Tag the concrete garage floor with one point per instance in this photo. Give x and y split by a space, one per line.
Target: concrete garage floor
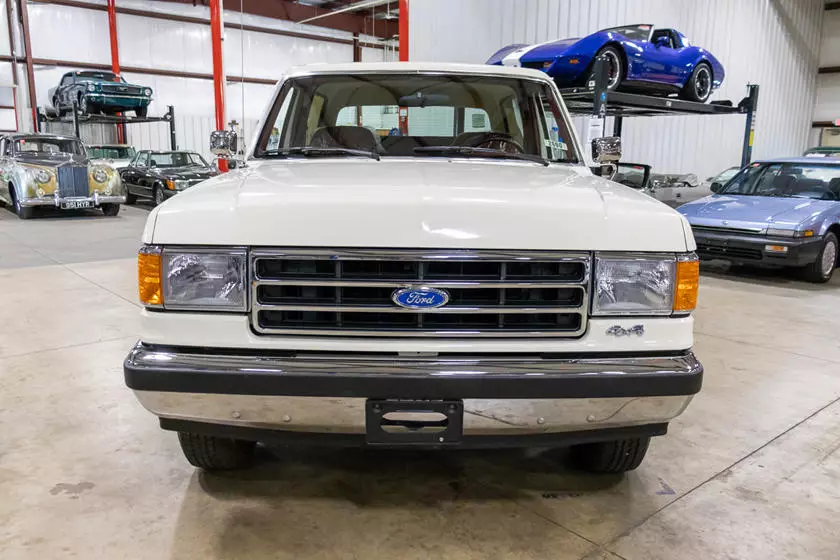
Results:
751 470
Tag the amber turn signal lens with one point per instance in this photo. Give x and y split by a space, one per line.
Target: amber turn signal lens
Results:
687 285
170 184
149 276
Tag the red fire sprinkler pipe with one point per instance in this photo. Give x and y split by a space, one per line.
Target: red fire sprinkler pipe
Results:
403 34
115 56
218 69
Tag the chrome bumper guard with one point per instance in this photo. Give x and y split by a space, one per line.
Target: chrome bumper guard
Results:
326 393
57 201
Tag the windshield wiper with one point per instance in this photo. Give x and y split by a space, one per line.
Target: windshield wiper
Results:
313 151
468 151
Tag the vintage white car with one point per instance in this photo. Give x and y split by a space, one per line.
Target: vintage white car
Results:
113 155
421 258
48 170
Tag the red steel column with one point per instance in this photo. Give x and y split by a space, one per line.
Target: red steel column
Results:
30 72
115 57
403 33
216 28
403 30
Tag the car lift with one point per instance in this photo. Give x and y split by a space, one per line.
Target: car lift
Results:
597 102
78 120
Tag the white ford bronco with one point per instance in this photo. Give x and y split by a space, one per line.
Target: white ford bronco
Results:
416 255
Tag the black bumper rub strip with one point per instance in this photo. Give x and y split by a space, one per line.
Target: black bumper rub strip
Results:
482 377
281 437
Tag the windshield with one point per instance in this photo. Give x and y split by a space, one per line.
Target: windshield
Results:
725 176
39 145
175 159
111 152
823 152
640 32
417 115
800 180
104 76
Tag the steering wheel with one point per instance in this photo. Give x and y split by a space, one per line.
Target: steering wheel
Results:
496 141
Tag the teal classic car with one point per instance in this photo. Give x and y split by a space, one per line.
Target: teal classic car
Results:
96 91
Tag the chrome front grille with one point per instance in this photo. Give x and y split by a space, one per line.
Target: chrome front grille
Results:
73 181
121 89
736 231
348 292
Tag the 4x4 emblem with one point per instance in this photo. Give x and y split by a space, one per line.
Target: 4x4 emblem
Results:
618 330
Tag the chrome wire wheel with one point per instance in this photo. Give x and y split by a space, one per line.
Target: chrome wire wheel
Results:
829 258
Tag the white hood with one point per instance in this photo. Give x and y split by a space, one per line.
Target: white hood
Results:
417 203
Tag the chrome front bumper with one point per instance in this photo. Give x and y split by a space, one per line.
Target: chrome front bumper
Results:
57 201
326 393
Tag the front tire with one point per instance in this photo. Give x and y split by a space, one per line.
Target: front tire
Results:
130 198
215 453
157 195
141 111
699 85
615 64
59 112
23 212
821 270
611 456
110 209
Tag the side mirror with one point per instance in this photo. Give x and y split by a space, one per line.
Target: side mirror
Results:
606 150
691 180
223 143
716 187
235 164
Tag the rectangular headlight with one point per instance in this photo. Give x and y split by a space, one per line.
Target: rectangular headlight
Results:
209 279
774 232
634 285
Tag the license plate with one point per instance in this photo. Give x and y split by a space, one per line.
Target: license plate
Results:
414 422
76 204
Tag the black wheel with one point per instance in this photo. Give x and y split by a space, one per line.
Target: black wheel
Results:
157 194
699 85
141 111
83 105
130 198
216 454
611 456
23 212
615 67
59 112
820 270
110 209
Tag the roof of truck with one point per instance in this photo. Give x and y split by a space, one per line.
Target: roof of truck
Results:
419 67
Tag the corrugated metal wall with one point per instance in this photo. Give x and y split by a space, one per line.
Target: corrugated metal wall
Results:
774 43
828 85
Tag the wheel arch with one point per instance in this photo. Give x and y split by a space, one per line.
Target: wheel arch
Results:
619 47
708 63
13 191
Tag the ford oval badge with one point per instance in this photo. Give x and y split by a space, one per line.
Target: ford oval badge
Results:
420 298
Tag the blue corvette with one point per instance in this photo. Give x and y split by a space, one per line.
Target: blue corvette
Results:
640 58
781 212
